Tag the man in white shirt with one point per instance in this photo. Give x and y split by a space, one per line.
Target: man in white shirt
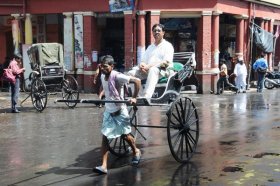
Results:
155 61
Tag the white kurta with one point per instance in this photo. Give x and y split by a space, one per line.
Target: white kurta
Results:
241 74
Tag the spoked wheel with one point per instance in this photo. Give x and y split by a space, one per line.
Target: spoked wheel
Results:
39 95
268 84
70 90
182 129
26 85
118 146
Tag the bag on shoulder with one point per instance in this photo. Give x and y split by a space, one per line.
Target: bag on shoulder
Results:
9 76
261 70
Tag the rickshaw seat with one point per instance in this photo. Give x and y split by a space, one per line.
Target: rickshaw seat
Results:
176 67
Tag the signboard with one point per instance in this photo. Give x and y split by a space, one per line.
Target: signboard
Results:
79 44
121 5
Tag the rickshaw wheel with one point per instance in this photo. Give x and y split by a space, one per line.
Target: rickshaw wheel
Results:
182 129
70 90
118 146
39 95
268 85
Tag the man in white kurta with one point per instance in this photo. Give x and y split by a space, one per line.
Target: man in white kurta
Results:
156 59
240 71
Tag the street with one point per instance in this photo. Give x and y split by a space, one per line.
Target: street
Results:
238 144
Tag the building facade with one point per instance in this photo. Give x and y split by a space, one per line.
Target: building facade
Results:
213 29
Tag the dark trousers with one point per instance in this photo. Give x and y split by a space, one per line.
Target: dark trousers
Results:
260 82
14 93
224 80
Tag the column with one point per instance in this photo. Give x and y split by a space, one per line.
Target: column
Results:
215 48
140 35
204 55
16 32
154 19
128 40
240 34
68 42
270 57
90 43
28 30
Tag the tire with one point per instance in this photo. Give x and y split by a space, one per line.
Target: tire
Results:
268 84
39 94
182 129
70 90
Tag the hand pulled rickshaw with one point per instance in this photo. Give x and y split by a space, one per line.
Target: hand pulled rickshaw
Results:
48 76
182 117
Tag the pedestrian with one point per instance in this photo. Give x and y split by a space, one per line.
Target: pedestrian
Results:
15 65
156 62
240 70
223 80
116 120
260 66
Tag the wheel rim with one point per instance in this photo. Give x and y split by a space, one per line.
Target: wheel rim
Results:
39 95
182 129
70 90
268 85
118 146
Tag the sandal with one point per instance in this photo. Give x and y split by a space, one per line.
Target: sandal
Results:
136 158
100 170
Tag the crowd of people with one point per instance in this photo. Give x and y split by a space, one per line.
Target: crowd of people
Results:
240 73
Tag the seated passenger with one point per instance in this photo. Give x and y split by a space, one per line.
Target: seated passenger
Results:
156 61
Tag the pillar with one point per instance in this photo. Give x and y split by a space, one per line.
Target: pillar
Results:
239 34
28 30
128 39
90 43
154 19
140 35
204 55
215 48
270 57
68 42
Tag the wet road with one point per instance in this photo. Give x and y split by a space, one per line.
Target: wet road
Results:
238 145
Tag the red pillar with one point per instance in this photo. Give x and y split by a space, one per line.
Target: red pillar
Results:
128 39
204 54
90 27
154 19
215 48
239 35
140 35
269 56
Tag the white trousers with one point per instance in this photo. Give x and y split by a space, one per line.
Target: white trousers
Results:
152 77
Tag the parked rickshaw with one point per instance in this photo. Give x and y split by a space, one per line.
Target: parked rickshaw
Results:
48 76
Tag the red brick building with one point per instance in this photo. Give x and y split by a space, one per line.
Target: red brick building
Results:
88 29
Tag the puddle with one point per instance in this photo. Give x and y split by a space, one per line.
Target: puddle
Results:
232 169
260 155
228 142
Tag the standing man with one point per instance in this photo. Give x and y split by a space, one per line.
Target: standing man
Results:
156 61
116 120
260 66
240 70
15 65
